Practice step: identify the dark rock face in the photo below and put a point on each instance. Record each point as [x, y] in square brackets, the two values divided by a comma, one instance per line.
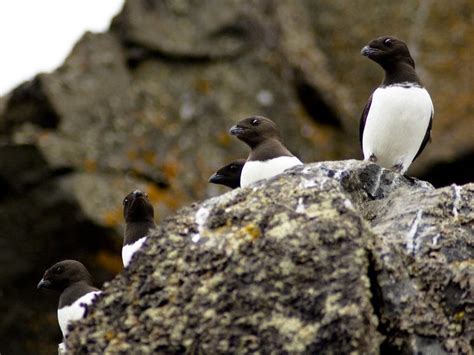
[40, 222]
[278, 268]
[290, 265]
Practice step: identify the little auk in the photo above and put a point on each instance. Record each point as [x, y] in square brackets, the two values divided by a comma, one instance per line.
[71, 278]
[229, 175]
[396, 122]
[268, 157]
[138, 213]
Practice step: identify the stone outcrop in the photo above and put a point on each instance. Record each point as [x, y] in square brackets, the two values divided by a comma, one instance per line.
[332, 257]
[148, 104]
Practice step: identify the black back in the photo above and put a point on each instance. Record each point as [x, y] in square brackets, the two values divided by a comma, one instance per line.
[363, 119]
[426, 138]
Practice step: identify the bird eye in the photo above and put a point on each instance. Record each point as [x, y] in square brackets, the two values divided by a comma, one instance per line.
[58, 269]
[255, 122]
[233, 167]
[388, 42]
[125, 201]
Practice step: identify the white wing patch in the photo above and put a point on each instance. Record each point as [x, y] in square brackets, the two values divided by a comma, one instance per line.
[130, 249]
[75, 311]
[257, 170]
[396, 125]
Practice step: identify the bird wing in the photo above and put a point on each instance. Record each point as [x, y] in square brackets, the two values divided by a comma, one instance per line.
[426, 139]
[363, 118]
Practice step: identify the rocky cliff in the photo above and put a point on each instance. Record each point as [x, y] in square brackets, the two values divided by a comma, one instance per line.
[148, 104]
[334, 257]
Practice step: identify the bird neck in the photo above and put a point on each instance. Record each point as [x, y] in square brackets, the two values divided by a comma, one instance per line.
[75, 291]
[137, 230]
[400, 72]
[269, 149]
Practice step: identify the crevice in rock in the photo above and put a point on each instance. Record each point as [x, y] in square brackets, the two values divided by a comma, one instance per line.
[31, 181]
[377, 302]
[136, 54]
[388, 346]
[458, 171]
[156, 179]
[314, 103]
[29, 103]
[23, 168]
[376, 298]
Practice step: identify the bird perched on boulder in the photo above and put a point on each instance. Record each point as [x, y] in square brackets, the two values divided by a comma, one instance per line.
[268, 156]
[71, 278]
[229, 175]
[139, 218]
[396, 122]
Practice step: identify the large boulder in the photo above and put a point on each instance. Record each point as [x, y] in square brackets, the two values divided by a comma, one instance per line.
[333, 257]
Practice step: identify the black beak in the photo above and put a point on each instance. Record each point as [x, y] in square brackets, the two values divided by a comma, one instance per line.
[43, 284]
[367, 51]
[236, 130]
[215, 178]
[138, 193]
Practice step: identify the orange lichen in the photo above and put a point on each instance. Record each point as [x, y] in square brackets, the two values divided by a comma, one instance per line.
[90, 165]
[132, 155]
[203, 86]
[223, 138]
[157, 195]
[170, 169]
[458, 316]
[149, 157]
[109, 261]
[250, 230]
[253, 230]
[113, 218]
[109, 335]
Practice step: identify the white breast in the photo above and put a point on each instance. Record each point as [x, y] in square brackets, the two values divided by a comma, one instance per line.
[74, 311]
[396, 125]
[130, 249]
[258, 170]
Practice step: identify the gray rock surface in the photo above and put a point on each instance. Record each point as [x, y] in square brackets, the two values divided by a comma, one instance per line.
[332, 257]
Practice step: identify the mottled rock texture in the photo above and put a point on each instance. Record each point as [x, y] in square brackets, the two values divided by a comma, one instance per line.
[148, 104]
[332, 257]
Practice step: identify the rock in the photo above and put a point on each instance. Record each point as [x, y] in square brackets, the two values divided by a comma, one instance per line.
[41, 223]
[192, 30]
[148, 104]
[333, 257]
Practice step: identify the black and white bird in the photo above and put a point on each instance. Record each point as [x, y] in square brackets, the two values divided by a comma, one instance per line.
[139, 218]
[71, 278]
[229, 175]
[396, 122]
[268, 156]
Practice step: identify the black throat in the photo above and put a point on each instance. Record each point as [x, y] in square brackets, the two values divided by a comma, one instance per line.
[400, 72]
[269, 149]
[137, 230]
[73, 292]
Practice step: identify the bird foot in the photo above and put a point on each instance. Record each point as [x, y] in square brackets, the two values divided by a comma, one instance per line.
[398, 168]
[409, 178]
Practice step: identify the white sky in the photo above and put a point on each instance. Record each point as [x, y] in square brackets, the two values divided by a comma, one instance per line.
[37, 35]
